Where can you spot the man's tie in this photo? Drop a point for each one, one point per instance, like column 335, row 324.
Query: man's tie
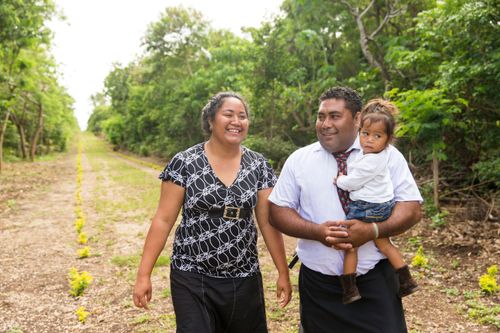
column 342, row 166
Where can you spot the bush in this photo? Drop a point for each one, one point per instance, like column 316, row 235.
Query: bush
column 488, row 281
column 78, row 282
column 420, row 260
column 276, row 150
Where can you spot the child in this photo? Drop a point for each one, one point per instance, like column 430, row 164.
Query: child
column 371, row 192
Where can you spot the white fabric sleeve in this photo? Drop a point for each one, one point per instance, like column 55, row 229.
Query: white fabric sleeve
column 405, row 187
column 362, row 171
column 286, row 192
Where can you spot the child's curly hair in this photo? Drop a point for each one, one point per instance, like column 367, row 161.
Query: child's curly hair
column 380, row 110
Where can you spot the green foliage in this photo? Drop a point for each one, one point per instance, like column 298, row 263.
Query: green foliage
column 452, row 291
column 35, row 105
column 114, row 128
column 79, row 223
column 425, row 116
column 78, row 282
column 483, row 313
column 82, row 314
column 82, row 238
column 84, row 252
column 444, row 78
column 429, row 207
column 420, row 259
column 275, row 150
column 439, row 219
column 141, row 319
column 166, row 293
column 488, row 281
column 489, row 170
column 132, row 261
column 14, row 330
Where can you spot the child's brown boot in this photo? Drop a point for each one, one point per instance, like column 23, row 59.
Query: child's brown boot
column 351, row 293
column 407, row 285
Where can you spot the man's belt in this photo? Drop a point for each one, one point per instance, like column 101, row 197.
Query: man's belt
column 228, row 212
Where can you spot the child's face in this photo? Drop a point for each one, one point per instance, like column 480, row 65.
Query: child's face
column 373, row 137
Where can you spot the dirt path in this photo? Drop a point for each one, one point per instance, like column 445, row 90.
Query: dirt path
column 38, row 247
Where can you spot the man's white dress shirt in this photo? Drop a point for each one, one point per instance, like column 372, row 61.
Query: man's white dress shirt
column 306, row 185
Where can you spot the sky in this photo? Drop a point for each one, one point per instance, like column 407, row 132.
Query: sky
column 97, row 33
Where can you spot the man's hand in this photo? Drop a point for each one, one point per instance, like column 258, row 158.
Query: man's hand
column 358, row 234
column 332, row 233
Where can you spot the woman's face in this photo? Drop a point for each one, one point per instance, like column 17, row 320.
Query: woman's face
column 230, row 124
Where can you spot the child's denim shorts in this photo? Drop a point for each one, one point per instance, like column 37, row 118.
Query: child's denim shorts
column 370, row 211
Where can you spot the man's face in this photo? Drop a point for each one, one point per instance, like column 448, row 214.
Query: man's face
column 335, row 126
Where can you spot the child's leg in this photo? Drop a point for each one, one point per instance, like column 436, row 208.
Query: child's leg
column 407, row 285
column 391, row 252
column 350, row 261
column 348, row 279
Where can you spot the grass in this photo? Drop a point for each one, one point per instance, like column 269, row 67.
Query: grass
column 132, row 261
column 121, row 192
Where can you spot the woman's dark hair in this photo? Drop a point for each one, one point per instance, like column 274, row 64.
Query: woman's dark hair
column 210, row 109
column 380, row 110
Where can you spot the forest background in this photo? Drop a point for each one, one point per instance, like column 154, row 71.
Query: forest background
column 439, row 61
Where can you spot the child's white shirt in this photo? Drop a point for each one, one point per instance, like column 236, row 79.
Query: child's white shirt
column 368, row 178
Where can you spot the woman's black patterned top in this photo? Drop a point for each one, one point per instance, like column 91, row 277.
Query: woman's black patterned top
column 216, row 247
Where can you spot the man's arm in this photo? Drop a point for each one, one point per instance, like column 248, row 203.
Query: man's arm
column 289, row 222
column 404, row 216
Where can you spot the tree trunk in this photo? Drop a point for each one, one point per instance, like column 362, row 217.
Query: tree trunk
column 363, row 42
column 435, row 176
column 36, row 135
column 22, row 135
column 2, row 134
column 365, row 37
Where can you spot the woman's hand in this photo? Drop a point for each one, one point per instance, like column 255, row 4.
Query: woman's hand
column 283, row 289
column 143, row 291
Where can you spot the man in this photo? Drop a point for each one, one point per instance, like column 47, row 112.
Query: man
column 306, row 205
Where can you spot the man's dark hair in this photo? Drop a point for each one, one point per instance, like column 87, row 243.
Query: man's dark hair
column 351, row 98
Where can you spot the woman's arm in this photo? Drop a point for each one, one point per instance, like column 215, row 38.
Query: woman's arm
column 171, row 200
column 275, row 245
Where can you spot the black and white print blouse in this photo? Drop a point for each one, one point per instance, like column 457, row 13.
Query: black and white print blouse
column 216, row 247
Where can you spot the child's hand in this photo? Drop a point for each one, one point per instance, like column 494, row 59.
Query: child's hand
column 337, row 177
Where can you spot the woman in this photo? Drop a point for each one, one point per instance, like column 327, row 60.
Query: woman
column 215, row 280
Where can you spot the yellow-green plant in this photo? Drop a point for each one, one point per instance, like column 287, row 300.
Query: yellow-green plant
column 82, row 238
column 84, row 253
column 488, row 281
column 78, row 197
column 82, row 314
column 78, row 282
column 420, row 260
column 79, row 223
column 79, row 212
